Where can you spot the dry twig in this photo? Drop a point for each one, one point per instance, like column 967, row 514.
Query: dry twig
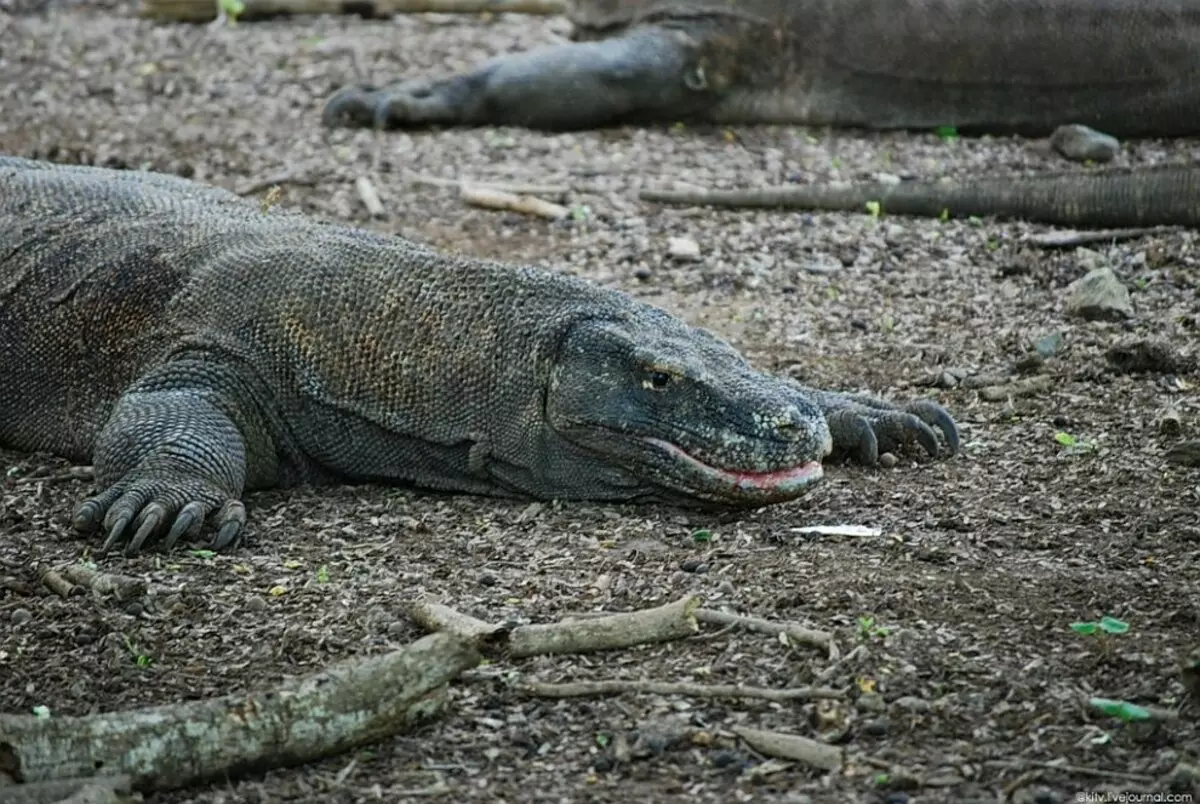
column 105, row 583
column 792, row 746
column 489, row 198
column 794, row 631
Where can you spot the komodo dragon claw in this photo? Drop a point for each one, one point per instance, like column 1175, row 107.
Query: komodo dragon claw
column 410, row 103
column 864, row 427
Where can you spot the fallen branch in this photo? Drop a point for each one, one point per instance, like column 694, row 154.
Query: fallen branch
column 105, row 583
column 792, row 746
column 276, row 179
column 489, row 198
column 345, row 706
column 616, row 686
column 1025, row 386
column 60, row 791
column 794, row 632
column 1079, row 770
column 206, row 10
column 832, row 670
column 612, row 632
column 554, row 191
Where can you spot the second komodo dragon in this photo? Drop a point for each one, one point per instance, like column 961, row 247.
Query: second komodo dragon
column 1126, row 67
column 194, row 346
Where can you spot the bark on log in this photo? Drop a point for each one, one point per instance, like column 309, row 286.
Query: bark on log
column 350, row 704
column 206, row 10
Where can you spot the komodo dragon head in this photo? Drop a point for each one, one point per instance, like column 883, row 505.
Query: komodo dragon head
column 683, row 413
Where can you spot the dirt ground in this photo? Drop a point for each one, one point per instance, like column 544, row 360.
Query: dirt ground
column 972, row 685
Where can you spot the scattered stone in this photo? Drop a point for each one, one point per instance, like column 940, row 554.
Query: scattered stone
column 1189, row 674
column 1099, row 296
column 1170, row 423
column 723, row 757
column 911, row 703
column 983, row 380
column 256, row 605
column 1030, row 386
column 1185, row 453
column 693, row 564
column 888, row 461
column 20, row 616
column 1182, row 778
column 871, row 702
column 683, row 249
column 1146, row 355
column 877, row 727
column 1082, row 144
column 702, row 738
column 1029, row 363
column 1048, row 345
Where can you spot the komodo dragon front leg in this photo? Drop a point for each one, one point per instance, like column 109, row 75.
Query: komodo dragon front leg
column 650, row 70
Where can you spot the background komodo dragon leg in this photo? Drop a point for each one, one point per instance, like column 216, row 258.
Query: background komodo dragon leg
column 647, row 71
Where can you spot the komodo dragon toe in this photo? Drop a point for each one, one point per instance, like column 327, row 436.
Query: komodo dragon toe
column 863, row 427
column 411, row 103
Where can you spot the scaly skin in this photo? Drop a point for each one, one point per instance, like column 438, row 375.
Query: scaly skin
column 193, row 347
column 1129, row 68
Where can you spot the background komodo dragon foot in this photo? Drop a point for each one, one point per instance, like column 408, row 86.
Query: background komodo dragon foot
column 864, row 427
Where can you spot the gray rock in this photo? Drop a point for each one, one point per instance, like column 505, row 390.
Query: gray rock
column 1082, row 144
column 1099, row 296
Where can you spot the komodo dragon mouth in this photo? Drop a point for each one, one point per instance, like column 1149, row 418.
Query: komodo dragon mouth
column 778, row 483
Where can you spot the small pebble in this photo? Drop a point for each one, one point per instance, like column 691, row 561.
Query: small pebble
column 256, row 605
column 878, row 727
column 20, row 616
column 693, row 564
column 683, row 249
column 888, row 461
column 1082, row 144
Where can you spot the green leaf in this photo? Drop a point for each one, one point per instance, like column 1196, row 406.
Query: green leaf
column 322, row 574
column 1066, row 439
column 601, row 739
column 41, row 712
column 1119, row 709
column 1112, row 625
column 702, row 536
column 874, row 208
column 947, row 133
column 1087, row 629
column 202, row 554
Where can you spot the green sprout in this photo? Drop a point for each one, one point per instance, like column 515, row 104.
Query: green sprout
column 702, row 536
column 322, row 574
column 867, row 628
column 230, row 10
column 874, row 208
column 205, row 554
column 1072, row 443
column 1122, row 710
column 947, row 133
column 1106, row 625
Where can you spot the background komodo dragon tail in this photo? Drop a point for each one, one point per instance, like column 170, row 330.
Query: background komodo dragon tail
column 193, row 346
column 1126, row 67
column 1147, row 196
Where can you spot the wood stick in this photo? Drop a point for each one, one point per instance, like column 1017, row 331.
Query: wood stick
column 616, row 686
column 612, row 632
column 56, row 583
column 206, row 10
column 1079, row 770
column 350, row 704
column 89, row 788
column 554, row 191
column 794, row 632
column 370, row 198
column 792, row 746
column 105, row 583
column 489, row 198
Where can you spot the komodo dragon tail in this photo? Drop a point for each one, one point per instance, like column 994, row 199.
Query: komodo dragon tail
column 1145, row 196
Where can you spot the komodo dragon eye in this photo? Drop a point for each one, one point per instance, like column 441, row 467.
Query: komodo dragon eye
column 657, row 380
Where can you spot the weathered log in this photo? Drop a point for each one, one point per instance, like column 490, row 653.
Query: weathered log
column 350, row 704
column 206, row 10
column 672, row 621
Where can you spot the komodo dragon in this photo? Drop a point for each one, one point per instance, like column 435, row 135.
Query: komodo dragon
column 194, row 346
column 1126, row 67
column 1159, row 195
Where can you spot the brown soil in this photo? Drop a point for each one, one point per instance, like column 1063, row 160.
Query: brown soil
column 984, row 560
